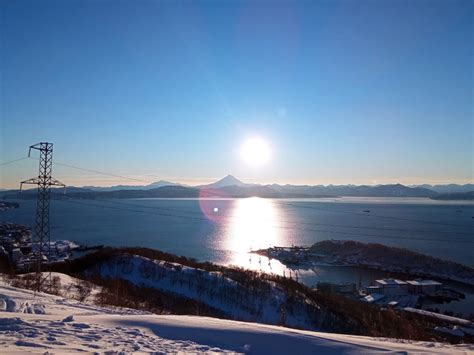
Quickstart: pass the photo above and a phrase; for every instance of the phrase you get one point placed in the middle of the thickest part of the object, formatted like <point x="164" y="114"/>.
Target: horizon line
<point x="209" y="181"/>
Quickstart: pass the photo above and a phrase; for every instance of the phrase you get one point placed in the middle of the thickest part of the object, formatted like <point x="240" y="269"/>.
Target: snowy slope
<point x="211" y="288"/>
<point x="53" y="323"/>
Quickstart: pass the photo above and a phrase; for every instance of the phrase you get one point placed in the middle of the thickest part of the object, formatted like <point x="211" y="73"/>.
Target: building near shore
<point x="396" y="287"/>
<point x="392" y="286"/>
<point x="424" y="286"/>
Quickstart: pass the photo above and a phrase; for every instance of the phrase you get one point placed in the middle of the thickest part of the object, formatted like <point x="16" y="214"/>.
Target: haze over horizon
<point x="210" y="181"/>
<point x="313" y="93"/>
<point x="129" y="183"/>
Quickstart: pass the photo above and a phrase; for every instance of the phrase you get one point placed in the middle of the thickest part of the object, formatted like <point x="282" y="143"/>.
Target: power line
<point x="101" y="172"/>
<point x="12" y="161"/>
<point x="276" y="226"/>
<point x="377" y="216"/>
<point x="299" y="222"/>
<point x="132" y="210"/>
<point x="284" y="203"/>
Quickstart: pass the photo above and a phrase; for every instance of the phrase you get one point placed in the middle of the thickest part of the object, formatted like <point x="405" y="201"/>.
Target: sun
<point x="255" y="151"/>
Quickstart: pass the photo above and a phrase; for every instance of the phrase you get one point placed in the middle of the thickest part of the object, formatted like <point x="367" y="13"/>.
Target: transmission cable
<point x="299" y="222"/>
<point x="276" y="226"/>
<point x="375" y="215"/>
<point x="281" y="202"/>
<point x="12" y="161"/>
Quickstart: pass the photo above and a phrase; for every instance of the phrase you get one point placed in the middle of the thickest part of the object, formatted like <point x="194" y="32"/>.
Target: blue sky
<point x="342" y="91"/>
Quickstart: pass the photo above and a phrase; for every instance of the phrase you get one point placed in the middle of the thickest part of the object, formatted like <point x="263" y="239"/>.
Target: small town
<point x="394" y="293"/>
<point x="16" y="244"/>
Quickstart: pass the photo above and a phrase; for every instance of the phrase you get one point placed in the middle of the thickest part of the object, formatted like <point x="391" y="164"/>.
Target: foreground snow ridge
<point x="210" y="288"/>
<point x="67" y="326"/>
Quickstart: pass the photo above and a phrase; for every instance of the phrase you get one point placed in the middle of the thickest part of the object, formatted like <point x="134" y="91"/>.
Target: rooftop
<point x="373" y="297"/>
<point x="391" y="282"/>
<point x="424" y="283"/>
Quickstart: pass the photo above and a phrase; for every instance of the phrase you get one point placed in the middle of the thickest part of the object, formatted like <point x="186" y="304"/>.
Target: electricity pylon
<point x="41" y="247"/>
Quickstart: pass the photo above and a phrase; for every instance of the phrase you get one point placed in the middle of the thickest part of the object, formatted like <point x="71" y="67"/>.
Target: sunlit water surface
<point x="226" y="230"/>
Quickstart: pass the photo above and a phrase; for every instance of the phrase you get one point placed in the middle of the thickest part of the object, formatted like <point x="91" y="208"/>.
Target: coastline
<point x="305" y="258"/>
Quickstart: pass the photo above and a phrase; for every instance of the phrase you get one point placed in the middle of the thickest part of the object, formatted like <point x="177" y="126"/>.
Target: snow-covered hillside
<point x="41" y="322"/>
<point x="234" y="299"/>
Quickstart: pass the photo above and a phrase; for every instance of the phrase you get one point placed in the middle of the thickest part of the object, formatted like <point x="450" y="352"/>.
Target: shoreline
<point x="326" y="199"/>
<point x="303" y="258"/>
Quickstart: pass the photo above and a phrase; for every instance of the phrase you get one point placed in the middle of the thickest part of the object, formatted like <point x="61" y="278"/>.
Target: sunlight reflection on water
<point x="223" y="230"/>
<point x="253" y="225"/>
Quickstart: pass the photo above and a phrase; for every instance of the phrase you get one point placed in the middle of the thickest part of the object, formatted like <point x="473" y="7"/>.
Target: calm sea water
<point x="224" y="231"/>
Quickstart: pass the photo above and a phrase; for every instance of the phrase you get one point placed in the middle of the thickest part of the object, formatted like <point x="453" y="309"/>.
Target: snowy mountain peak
<point x="228" y="180"/>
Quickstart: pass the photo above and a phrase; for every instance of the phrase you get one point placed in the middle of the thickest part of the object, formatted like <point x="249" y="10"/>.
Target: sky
<point x="362" y="92"/>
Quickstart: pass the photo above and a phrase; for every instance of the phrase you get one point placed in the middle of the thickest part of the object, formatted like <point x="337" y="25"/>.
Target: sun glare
<point x="254" y="225"/>
<point x="255" y="151"/>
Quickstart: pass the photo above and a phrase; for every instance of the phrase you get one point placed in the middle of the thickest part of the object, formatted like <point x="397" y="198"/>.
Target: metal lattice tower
<point x="41" y="247"/>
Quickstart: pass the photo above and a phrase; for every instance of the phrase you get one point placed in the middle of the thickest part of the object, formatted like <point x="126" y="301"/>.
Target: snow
<point x="424" y="283"/>
<point x="391" y="282"/>
<point x="66" y="326"/>
<point x="374" y="297"/>
<point x="449" y="319"/>
<point x="210" y="288"/>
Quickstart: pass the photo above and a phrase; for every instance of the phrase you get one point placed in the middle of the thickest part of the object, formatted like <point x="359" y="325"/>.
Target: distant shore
<point x="234" y="188"/>
<point x="371" y="256"/>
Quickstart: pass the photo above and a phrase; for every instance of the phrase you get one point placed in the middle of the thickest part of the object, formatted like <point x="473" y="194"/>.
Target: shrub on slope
<point x="158" y="281"/>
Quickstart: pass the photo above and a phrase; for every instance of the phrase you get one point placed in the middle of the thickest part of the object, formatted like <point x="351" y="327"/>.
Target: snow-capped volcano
<point x="228" y="180"/>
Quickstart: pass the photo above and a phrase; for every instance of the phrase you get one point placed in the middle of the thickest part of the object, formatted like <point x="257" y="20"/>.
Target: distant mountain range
<point x="132" y="187"/>
<point x="230" y="186"/>
<point x="447" y="189"/>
